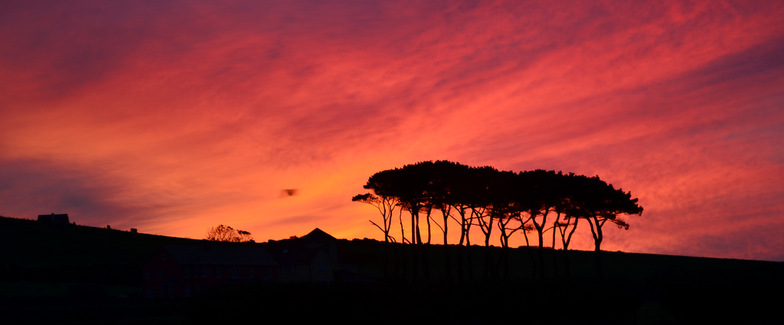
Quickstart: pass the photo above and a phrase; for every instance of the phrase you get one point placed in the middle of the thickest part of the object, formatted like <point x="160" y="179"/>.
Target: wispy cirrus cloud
<point x="180" y="115"/>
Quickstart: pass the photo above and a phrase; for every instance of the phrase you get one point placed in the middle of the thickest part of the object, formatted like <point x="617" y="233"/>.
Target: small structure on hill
<point x="185" y="270"/>
<point x="312" y="258"/>
<point x="54" y="219"/>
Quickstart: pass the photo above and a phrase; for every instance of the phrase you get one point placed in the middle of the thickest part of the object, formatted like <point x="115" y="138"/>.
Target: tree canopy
<point x="533" y="201"/>
<point x="228" y="234"/>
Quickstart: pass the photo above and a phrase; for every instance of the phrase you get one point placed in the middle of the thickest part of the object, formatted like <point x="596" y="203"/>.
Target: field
<point x="80" y="275"/>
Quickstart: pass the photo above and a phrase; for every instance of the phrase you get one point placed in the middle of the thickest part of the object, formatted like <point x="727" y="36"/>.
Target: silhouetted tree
<point x="413" y="195"/>
<point x="485" y="183"/>
<point x="228" y="234"/>
<point x="615" y="203"/>
<point x="422" y="187"/>
<point x="461" y="196"/>
<point x="599" y="202"/>
<point x="488" y="198"/>
<point x="566" y="227"/>
<point x="386" y="207"/>
<point x="445" y="177"/>
<point x="502" y="190"/>
<point x="387" y="184"/>
<point x="567" y="209"/>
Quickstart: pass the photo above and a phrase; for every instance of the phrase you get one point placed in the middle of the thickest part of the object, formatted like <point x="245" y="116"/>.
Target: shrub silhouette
<point x="228" y="234"/>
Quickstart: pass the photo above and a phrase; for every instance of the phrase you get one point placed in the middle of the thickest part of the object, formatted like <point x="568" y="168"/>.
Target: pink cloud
<point x="175" y="117"/>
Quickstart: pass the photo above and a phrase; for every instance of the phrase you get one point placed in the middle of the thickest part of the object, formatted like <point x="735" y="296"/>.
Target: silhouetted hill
<point x="49" y="274"/>
<point x="37" y="254"/>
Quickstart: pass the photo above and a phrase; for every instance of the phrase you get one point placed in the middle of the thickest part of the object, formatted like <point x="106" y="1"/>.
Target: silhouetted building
<point x="186" y="270"/>
<point x="311" y="258"/>
<point x="54" y="219"/>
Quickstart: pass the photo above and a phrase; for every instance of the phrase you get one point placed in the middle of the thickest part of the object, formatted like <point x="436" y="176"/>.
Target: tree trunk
<point x="555" y="225"/>
<point x="402" y="228"/>
<point x="489" y="231"/>
<point x="540" y="226"/>
<point x="416" y="238"/>
<point x="485" y="225"/>
<point x="502" y="223"/>
<point x="429" y="233"/>
<point x="568" y="238"/>
<point x="596" y="231"/>
<point x="445" y="212"/>
<point x="388" y="222"/>
<point x="463" y="220"/>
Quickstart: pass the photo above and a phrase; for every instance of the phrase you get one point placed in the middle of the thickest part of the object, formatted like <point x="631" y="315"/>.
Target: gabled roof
<point x="318" y="235"/>
<point x="220" y="254"/>
<point x="301" y="250"/>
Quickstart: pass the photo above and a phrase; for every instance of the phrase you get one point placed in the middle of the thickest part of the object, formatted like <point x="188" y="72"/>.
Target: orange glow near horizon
<point x="129" y="115"/>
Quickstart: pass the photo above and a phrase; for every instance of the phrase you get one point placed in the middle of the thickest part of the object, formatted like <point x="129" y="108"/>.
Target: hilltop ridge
<point x="44" y="262"/>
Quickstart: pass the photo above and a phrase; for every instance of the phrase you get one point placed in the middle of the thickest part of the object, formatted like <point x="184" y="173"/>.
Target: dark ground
<point x="84" y="275"/>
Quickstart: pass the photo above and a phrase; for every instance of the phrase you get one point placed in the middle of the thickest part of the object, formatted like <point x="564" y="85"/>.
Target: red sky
<point x="176" y="116"/>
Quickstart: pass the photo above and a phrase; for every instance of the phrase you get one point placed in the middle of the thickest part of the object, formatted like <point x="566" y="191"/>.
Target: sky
<point x="175" y="116"/>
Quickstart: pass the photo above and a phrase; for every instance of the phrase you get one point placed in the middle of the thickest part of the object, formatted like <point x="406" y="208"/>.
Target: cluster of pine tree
<point x="530" y="202"/>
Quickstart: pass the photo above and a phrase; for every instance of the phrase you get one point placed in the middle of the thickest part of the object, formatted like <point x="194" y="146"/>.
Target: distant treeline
<point x="527" y="202"/>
